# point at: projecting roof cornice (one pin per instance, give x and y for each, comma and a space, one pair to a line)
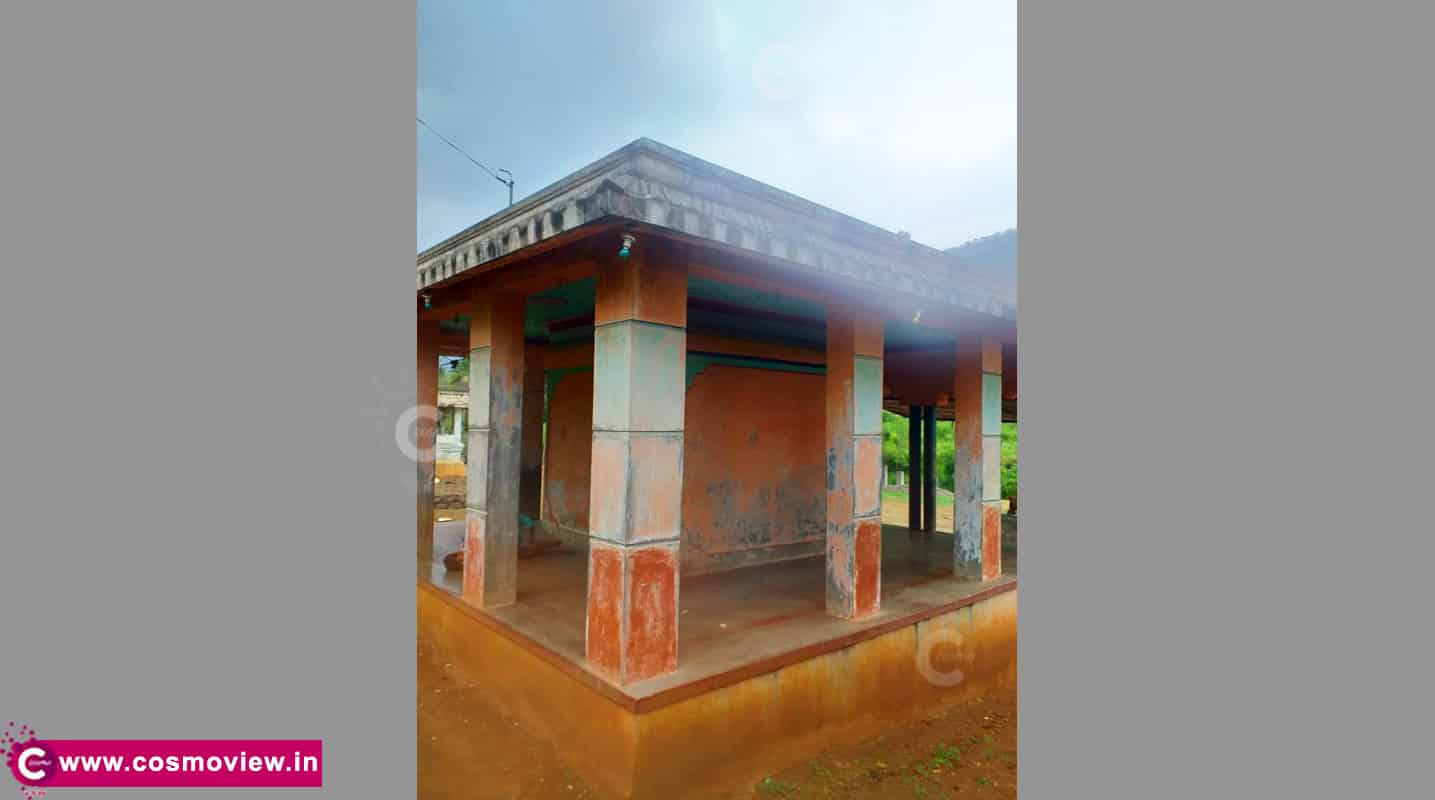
651, 183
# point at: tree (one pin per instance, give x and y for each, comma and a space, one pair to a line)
894, 441
1008, 459
895, 451
946, 455
453, 374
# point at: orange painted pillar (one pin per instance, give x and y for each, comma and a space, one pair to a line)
977, 440
635, 497
531, 463
424, 431
854, 463
495, 410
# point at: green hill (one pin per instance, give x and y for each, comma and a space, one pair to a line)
993, 255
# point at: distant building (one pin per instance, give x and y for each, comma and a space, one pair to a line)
449, 437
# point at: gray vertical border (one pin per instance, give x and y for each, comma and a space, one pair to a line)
1224, 439
207, 321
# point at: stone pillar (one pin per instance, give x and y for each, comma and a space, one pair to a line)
635, 495
914, 464
531, 464
978, 454
929, 469
919, 539
495, 411
458, 428
854, 463
424, 430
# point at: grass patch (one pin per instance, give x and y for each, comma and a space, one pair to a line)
776, 788
903, 494
944, 756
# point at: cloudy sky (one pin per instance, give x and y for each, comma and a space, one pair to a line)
902, 114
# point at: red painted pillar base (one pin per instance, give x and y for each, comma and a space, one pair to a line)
632, 630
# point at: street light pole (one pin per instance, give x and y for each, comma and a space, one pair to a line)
508, 183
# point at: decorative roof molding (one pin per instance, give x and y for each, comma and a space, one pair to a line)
651, 183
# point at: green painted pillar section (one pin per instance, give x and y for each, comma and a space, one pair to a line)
914, 468
929, 469
699, 361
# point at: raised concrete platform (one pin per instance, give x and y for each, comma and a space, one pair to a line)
765, 678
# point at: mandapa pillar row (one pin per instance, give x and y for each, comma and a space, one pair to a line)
635, 494
977, 446
854, 463
496, 356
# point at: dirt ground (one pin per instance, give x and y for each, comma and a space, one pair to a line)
969, 751
894, 509
467, 749
448, 493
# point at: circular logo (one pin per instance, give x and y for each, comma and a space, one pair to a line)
938, 656
406, 431
33, 763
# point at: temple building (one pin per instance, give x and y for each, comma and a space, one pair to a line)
673, 557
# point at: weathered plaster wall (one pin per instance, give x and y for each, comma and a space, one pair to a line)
568, 456
753, 482
753, 471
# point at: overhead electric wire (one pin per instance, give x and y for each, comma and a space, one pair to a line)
508, 182
460, 150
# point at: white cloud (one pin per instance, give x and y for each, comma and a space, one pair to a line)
903, 115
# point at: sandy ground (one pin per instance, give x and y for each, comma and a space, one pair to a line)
969, 751
894, 509
449, 493
467, 749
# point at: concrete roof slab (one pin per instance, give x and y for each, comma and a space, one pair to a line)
649, 183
